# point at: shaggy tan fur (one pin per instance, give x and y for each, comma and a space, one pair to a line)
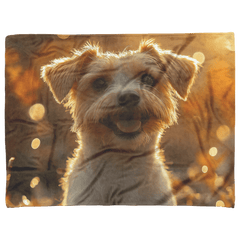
90, 83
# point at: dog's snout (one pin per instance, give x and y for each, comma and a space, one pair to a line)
128, 99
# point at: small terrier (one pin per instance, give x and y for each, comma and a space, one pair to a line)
121, 104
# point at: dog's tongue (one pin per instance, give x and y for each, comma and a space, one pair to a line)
129, 126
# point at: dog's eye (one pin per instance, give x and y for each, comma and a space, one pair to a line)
148, 80
100, 84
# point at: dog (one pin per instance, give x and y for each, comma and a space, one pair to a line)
121, 104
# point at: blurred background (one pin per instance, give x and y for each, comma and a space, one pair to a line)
199, 150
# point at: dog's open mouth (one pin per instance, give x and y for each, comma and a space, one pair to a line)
127, 124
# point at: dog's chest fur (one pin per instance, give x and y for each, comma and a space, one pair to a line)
113, 176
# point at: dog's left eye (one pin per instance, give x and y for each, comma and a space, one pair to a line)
148, 80
100, 84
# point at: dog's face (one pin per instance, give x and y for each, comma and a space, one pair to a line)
121, 98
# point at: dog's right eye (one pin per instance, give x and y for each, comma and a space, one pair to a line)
147, 79
100, 84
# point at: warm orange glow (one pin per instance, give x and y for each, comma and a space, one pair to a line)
221, 73
35, 143
220, 203
204, 169
226, 41
199, 56
198, 196
230, 45
213, 151
60, 171
208, 168
23, 83
189, 202
63, 36
37, 111
11, 56
193, 171
25, 200
34, 182
223, 132
229, 189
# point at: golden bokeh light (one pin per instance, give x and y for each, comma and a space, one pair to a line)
35, 143
219, 181
25, 200
10, 162
220, 203
37, 111
62, 36
199, 56
223, 132
213, 151
204, 169
34, 182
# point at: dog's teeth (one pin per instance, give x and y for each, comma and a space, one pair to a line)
129, 126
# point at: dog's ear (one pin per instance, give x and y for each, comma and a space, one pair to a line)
180, 70
151, 48
61, 74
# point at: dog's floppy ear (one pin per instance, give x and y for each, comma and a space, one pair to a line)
61, 74
180, 70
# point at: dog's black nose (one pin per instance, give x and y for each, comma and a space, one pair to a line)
128, 99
